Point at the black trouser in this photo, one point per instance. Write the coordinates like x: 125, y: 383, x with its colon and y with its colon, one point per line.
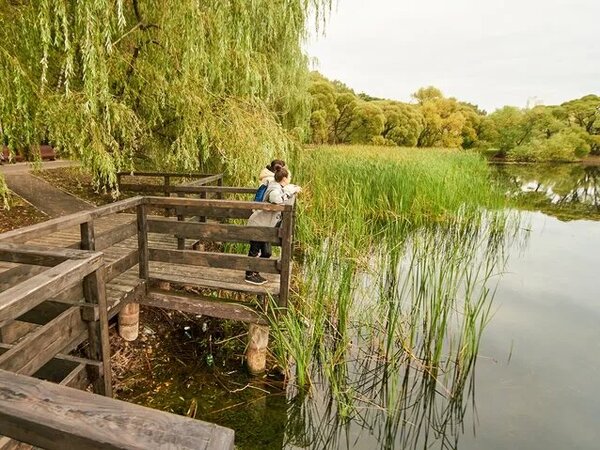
x: 256, y: 248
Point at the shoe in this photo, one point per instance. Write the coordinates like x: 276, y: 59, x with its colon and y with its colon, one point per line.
x: 255, y: 278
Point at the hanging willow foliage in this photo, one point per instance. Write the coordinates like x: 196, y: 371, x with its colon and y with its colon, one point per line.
x: 179, y: 84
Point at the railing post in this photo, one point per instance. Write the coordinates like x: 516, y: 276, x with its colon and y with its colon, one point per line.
x: 142, y: 229
x: 180, y: 218
x: 287, y: 225
x: 219, y: 195
x: 129, y: 316
x: 94, y: 291
x: 88, y: 236
x: 167, y: 193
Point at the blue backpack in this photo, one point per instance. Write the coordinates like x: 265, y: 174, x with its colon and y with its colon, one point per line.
x: 260, y: 193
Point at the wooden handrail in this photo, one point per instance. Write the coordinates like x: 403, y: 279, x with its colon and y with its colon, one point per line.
x: 26, y: 295
x: 56, y: 417
x: 169, y: 174
x: 50, y: 226
x: 166, y: 202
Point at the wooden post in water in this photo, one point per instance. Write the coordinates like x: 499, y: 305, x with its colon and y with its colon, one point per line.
x: 256, y: 352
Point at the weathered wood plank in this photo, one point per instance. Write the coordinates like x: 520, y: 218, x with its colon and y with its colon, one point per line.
x: 56, y: 417
x: 195, y: 304
x: 165, y: 202
x: 213, y: 213
x: 36, y: 255
x: 15, y: 275
x: 172, y: 275
x: 25, y: 296
x: 40, y: 346
x: 210, y: 259
x: 214, y: 231
x: 170, y: 174
x: 186, y: 189
x: 60, y: 223
x: 121, y: 265
x: 15, y: 330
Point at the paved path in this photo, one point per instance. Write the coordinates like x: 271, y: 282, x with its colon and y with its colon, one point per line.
x: 41, y: 194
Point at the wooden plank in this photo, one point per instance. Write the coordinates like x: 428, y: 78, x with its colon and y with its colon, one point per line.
x: 15, y: 275
x: 195, y: 304
x: 60, y: 223
x: 121, y: 265
x: 15, y: 330
x: 40, y: 346
x: 187, y: 189
x: 25, y: 296
x: 153, y: 188
x: 165, y: 202
x: 211, y: 178
x: 170, y: 174
x: 214, y: 212
x: 116, y: 234
x: 214, y: 231
x: 94, y: 291
x: 209, y: 259
x: 56, y: 417
x: 33, y: 255
x: 172, y: 273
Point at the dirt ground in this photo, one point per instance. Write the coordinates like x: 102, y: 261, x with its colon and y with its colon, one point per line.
x: 20, y: 214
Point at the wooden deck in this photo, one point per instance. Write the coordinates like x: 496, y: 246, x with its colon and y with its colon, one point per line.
x: 62, y: 280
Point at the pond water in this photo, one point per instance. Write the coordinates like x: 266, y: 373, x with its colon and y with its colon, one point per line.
x: 534, y: 384
x: 539, y: 361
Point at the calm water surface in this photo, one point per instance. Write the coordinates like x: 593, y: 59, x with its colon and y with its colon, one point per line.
x: 539, y: 365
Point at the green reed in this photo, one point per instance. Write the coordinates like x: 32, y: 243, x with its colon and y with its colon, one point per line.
x: 399, y: 251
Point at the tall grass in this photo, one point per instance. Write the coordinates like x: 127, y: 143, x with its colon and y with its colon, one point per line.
x: 399, y: 253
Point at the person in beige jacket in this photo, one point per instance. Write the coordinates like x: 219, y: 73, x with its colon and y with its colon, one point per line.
x: 279, y: 192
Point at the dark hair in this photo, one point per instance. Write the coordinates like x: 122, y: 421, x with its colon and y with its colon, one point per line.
x: 280, y: 172
x: 274, y: 163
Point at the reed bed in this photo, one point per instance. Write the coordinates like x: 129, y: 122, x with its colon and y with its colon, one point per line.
x: 400, y: 251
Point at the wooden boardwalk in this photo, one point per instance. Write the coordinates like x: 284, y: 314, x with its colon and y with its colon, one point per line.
x: 63, y: 280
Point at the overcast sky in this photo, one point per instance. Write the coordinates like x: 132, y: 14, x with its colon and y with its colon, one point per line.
x: 488, y: 52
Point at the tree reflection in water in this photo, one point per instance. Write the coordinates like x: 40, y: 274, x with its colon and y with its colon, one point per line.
x: 554, y: 187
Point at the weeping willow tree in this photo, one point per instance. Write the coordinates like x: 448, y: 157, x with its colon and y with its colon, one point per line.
x: 177, y: 84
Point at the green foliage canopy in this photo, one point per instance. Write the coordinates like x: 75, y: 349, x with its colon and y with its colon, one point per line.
x: 181, y: 83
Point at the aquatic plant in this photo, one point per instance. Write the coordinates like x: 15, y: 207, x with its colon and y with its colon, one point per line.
x: 400, y: 250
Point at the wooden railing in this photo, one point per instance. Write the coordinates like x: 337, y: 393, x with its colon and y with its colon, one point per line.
x: 217, y: 232
x: 55, y: 417
x: 63, y: 292
x: 165, y: 180
x: 69, y: 274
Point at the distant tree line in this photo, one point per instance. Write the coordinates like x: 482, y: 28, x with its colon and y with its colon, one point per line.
x: 544, y: 133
